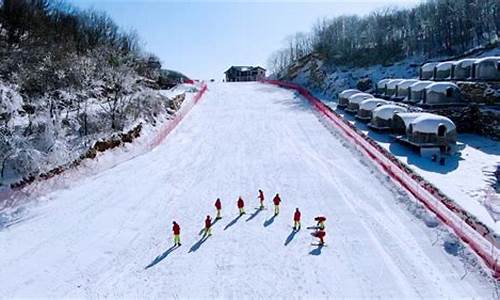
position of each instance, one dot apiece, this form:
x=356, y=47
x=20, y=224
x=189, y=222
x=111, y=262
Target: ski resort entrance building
x=245, y=73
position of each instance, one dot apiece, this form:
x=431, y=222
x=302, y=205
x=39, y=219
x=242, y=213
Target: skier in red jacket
x=241, y=206
x=277, y=201
x=261, y=199
x=320, y=234
x=208, y=226
x=296, y=219
x=177, y=234
x=218, y=207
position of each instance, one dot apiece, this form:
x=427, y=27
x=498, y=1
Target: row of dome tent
x=418, y=129
x=424, y=93
x=484, y=69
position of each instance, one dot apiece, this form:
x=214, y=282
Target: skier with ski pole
x=241, y=206
x=208, y=227
x=177, y=234
x=218, y=207
x=321, y=222
x=277, y=201
x=296, y=220
x=261, y=199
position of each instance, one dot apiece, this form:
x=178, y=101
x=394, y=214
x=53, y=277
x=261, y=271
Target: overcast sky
x=203, y=38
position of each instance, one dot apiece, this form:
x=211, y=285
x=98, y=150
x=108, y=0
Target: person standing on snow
x=208, y=226
x=296, y=219
x=321, y=222
x=277, y=201
x=261, y=199
x=177, y=234
x=218, y=207
x=241, y=206
x=321, y=235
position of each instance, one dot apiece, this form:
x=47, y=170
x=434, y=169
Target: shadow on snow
x=257, y=211
x=290, y=236
x=316, y=251
x=269, y=221
x=161, y=257
x=198, y=244
x=232, y=222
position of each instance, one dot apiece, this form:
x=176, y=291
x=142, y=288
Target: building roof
x=359, y=97
x=429, y=66
x=371, y=104
x=420, y=85
x=348, y=93
x=441, y=87
x=244, y=68
x=406, y=83
x=446, y=65
x=429, y=123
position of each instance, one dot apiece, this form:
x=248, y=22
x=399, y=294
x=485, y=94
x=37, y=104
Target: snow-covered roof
x=348, y=93
x=406, y=83
x=387, y=111
x=429, y=66
x=466, y=62
x=488, y=59
x=446, y=65
x=441, y=87
x=382, y=83
x=391, y=84
x=371, y=104
x=429, y=123
x=407, y=117
x=359, y=97
x=420, y=85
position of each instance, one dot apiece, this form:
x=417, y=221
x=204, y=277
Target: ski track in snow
x=95, y=238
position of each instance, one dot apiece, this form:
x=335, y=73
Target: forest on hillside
x=433, y=28
x=67, y=78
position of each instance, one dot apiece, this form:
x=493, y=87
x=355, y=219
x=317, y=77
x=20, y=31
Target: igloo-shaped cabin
x=367, y=106
x=344, y=97
x=487, y=68
x=442, y=93
x=355, y=100
x=416, y=91
x=382, y=116
x=391, y=87
x=444, y=70
x=431, y=130
x=427, y=71
x=463, y=69
x=401, y=121
x=402, y=88
x=381, y=86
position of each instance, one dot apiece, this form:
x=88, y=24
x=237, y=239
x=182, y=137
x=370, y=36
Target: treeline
x=44, y=36
x=68, y=77
x=433, y=28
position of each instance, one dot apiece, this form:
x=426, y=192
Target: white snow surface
x=420, y=85
x=95, y=237
x=371, y=104
x=359, y=97
x=429, y=123
x=441, y=87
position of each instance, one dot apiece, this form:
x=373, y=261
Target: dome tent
x=427, y=71
x=431, y=130
x=416, y=91
x=442, y=93
x=355, y=100
x=344, y=97
x=401, y=121
x=463, y=69
x=382, y=116
x=367, y=106
x=487, y=68
x=402, y=88
x=381, y=86
x=444, y=70
x=391, y=87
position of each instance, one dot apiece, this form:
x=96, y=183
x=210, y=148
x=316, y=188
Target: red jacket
x=320, y=234
x=261, y=196
x=218, y=205
x=241, y=204
x=296, y=216
x=276, y=200
x=176, y=229
x=208, y=222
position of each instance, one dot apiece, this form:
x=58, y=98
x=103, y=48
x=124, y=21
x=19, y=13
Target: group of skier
x=207, y=231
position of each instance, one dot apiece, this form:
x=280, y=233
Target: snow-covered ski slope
x=96, y=237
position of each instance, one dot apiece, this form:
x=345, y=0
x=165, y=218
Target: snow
x=386, y=112
x=466, y=62
x=429, y=123
x=371, y=104
x=408, y=117
x=348, y=93
x=488, y=59
x=391, y=84
x=95, y=237
x=359, y=97
x=381, y=84
x=406, y=83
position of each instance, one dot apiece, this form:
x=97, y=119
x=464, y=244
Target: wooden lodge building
x=245, y=73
